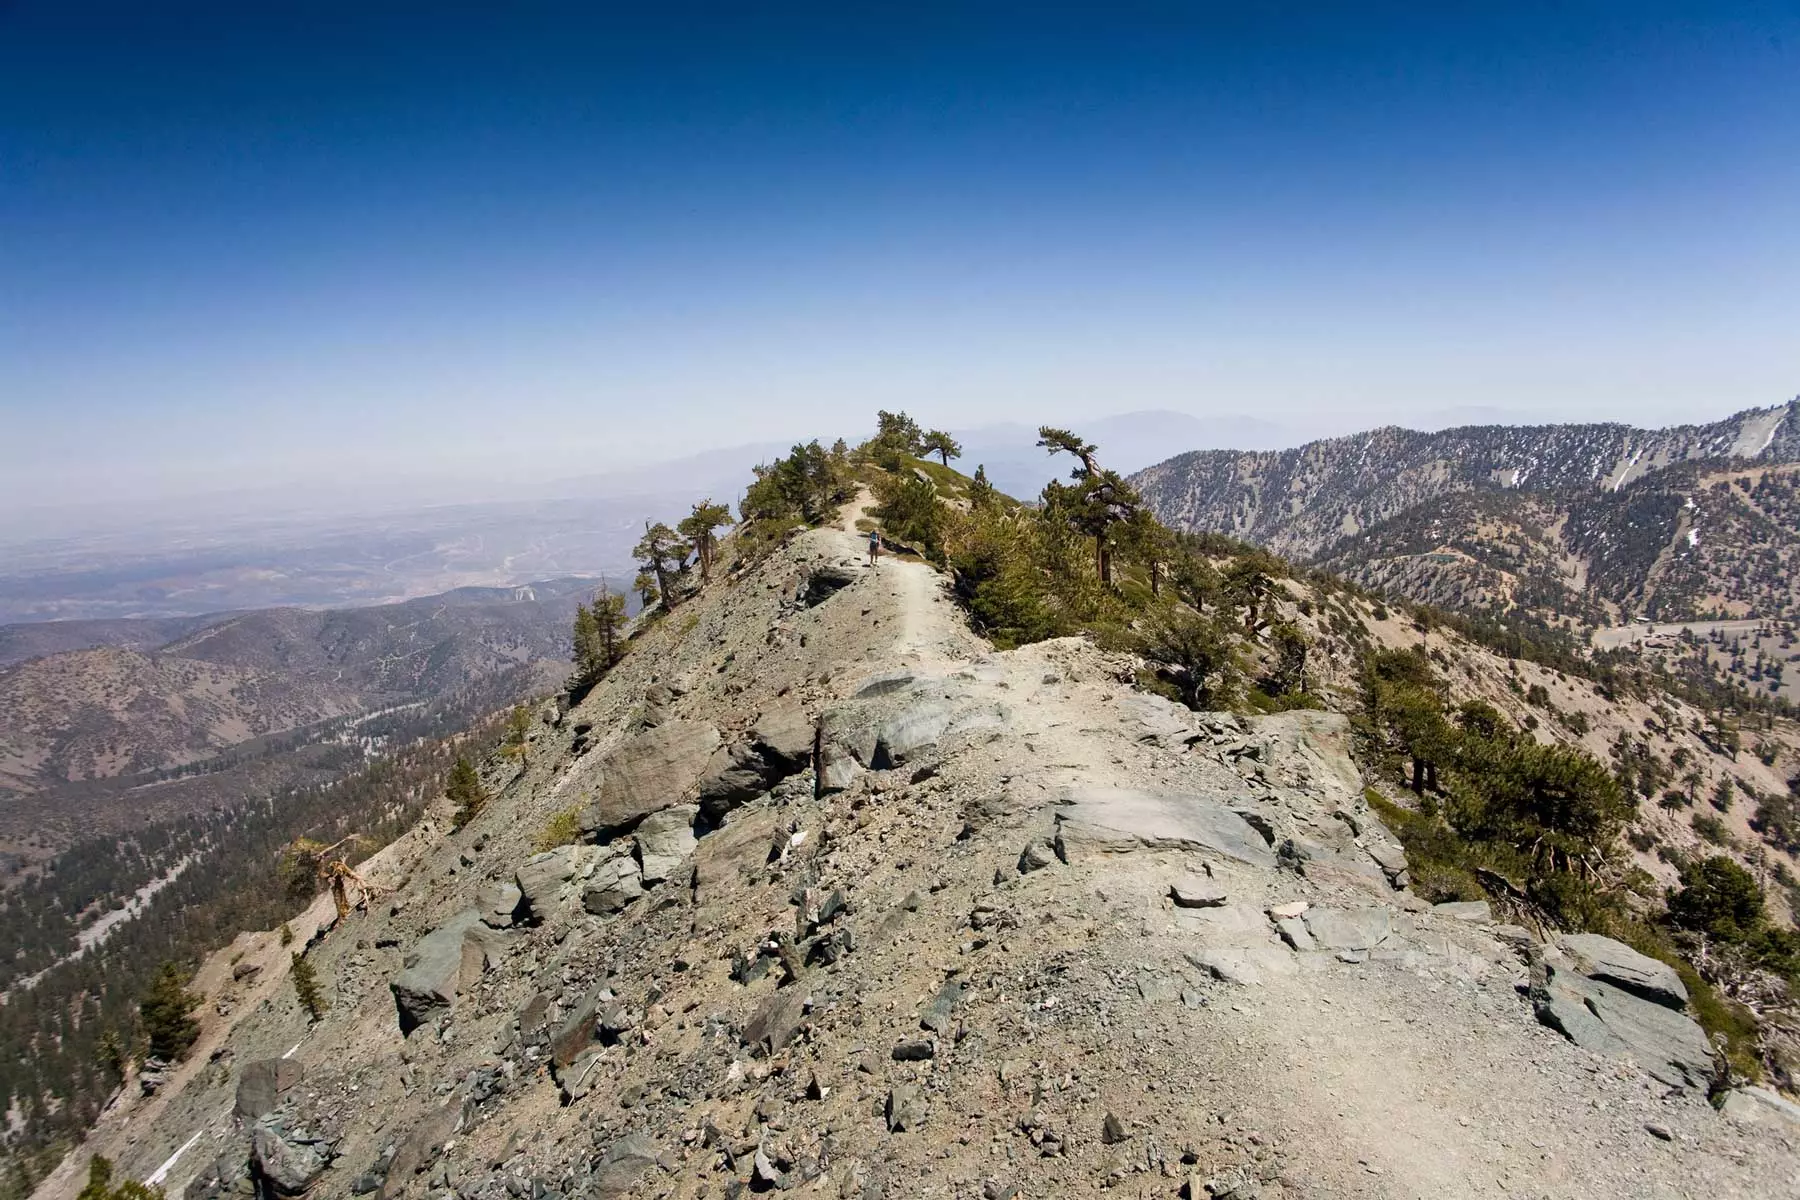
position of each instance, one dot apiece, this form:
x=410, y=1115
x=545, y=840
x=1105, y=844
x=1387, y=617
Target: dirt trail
x=1007, y=836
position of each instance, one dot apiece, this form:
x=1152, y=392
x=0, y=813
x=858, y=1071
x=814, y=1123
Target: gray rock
x=542, y=877
x=1038, y=854
x=1197, y=891
x=1391, y=859
x=786, y=736
x=1114, y=820
x=1477, y=911
x=918, y=1050
x=422, y=1147
x=501, y=902
x=1352, y=929
x=650, y=772
x=917, y=728
x=1612, y=962
x=664, y=841
x=1293, y=932
x=580, y=1030
x=263, y=1082
x=777, y=1020
x=734, y=776
x=444, y=961
x=884, y=684
x=615, y=883
x=1608, y=1020
x=287, y=1168
x=1245, y=966
x=1760, y=1106
x=627, y=1159
x=905, y=1109
x=1112, y=1130
x=936, y=1016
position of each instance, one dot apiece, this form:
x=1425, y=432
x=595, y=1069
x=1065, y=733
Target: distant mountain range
x=96, y=700
x=1591, y=519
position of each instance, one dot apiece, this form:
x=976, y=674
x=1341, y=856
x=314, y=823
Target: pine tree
x=100, y=1185
x=166, y=1011
x=941, y=444
x=661, y=552
x=698, y=528
x=465, y=791
x=306, y=988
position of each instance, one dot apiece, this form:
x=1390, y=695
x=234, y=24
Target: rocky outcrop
x=1604, y=996
x=263, y=1083
x=284, y=1163
x=664, y=841
x=650, y=772
x=1101, y=820
x=445, y=960
x=615, y=882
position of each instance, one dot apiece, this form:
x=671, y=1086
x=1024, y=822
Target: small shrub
x=306, y=988
x=562, y=829
x=1711, y=828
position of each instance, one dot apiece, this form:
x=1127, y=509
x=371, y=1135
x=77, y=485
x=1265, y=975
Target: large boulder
x=444, y=961
x=501, y=903
x=1595, y=1014
x=548, y=880
x=286, y=1167
x=617, y=1172
x=664, y=841
x=650, y=772
x=1352, y=929
x=734, y=776
x=1615, y=963
x=615, y=883
x=785, y=736
x=262, y=1084
x=1106, y=820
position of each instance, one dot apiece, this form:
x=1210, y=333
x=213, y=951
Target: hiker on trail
x=874, y=545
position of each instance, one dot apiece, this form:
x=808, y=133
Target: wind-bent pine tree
x=166, y=1011
x=941, y=444
x=661, y=552
x=697, y=528
x=1100, y=500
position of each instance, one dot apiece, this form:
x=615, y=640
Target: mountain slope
x=1586, y=520
x=969, y=867
x=109, y=711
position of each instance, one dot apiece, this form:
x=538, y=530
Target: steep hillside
x=1299, y=502
x=1589, y=524
x=247, y=685
x=816, y=890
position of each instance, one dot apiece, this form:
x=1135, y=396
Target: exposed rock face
x=650, y=772
x=1573, y=993
x=664, y=841
x=785, y=736
x=1603, y=959
x=1114, y=820
x=262, y=1084
x=545, y=880
x=615, y=882
x=444, y=960
x=286, y=1167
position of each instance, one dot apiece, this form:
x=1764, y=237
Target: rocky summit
x=850, y=904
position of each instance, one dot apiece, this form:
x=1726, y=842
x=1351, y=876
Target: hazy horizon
x=398, y=250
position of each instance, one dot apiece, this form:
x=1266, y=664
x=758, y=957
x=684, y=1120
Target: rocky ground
x=863, y=908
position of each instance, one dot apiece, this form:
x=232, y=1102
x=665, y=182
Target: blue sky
x=336, y=242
